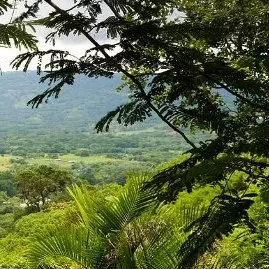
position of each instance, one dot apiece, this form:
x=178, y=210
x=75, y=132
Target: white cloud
x=76, y=45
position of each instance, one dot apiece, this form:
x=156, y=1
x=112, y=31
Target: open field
x=69, y=159
x=64, y=160
x=5, y=163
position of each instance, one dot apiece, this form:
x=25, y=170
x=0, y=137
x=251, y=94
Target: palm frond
x=131, y=203
x=158, y=249
x=84, y=202
x=112, y=217
x=81, y=246
x=123, y=232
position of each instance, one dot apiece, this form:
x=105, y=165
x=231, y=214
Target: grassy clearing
x=5, y=163
x=70, y=159
x=64, y=160
x=135, y=132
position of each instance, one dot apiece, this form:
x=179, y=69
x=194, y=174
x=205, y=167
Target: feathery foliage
x=17, y=36
x=118, y=232
x=14, y=33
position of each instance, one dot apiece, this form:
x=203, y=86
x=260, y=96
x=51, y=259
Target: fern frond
x=131, y=203
x=15, y=34
x=24, y=59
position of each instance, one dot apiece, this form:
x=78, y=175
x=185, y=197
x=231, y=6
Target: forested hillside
x=62, y=131
x=78, y=108
x=67, y=124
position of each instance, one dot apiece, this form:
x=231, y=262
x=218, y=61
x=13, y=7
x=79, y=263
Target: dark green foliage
x=4, y=6
x=6, y=183
x=181, y=69
x=219, y=220
x=13, y=33
x=126, y=114
x=195, y=170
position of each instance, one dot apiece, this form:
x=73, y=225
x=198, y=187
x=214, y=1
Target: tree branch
x=222, y=85
x=122, y=70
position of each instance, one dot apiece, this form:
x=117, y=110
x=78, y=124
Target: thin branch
x=72, y=55
x=73, y=7
x=146, y=97
x=115, y=12
x=13, y=11
x=222, y=85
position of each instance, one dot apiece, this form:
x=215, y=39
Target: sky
x=74, y=44
x=74, y=47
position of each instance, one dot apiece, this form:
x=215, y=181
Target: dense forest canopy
x=178, y=58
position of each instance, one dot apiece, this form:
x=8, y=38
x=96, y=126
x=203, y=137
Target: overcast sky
x=75, y=45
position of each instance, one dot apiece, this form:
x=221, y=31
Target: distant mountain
x=67, y=123
x=78, y=106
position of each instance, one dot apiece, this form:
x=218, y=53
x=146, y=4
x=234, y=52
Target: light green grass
x=69, y=159
x=64, y=160
x=5, y=163
x=135, y=132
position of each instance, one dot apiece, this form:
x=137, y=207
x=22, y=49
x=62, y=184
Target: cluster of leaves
x=36, y=183
x=176, y=64
x=14, y=33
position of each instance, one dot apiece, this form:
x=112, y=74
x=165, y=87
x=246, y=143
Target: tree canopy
x=36, y=183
